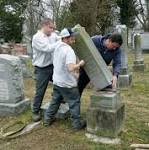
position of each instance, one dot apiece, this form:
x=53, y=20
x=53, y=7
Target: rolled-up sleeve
x=42, y=44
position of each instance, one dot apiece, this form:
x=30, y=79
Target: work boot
x=48, y=122
x=36, y=117
x=81, y=125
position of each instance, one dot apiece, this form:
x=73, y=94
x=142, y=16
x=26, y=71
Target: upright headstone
x=27, y=67
x=95, y=66
x=144, y=41
x=139, y=61
x=106, y=112
x=125, y=77
x=12, y=100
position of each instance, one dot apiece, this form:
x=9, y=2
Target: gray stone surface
x=95, y=66
x=124, y=80
x=139, y=60
x=105, y=99
x=103, y=140
x=144, y=41
x=63, y=112
x=105, y=122
x=122, y=29
x=125, y=76
x=7, y=109
x=11, y=86
x=27, y=67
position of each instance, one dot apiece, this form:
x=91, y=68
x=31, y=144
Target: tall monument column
x=139, y=61
x=125, y=77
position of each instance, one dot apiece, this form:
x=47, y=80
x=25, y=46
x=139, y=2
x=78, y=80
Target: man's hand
x=81, y=63
x=75, y=67
x=114, y=82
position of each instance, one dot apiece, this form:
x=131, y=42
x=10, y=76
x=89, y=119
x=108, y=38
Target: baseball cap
x=66, y=32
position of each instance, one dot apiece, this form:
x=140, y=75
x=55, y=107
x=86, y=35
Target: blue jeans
x=72, y=97
x=42, y=78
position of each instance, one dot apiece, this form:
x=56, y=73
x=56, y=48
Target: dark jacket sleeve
x=117, y=63
x=96, y=40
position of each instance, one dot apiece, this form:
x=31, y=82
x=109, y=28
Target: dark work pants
x=42, y=78
x=72, y=97
x=83, y=81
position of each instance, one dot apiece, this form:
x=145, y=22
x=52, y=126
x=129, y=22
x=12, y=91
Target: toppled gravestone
x=105, y=114
x=63, y=111
x=95, y=66
x=12, y=101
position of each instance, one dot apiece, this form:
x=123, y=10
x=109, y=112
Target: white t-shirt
x=64, y=55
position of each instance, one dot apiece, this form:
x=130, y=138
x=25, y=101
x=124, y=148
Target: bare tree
x=142, y=14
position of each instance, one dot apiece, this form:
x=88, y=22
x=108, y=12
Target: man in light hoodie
x=65, y=81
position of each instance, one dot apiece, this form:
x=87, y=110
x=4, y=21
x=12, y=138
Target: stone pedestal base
x=124, y=81
x=103, y=140
x=105, y=99
x=139, y=66
x=63, y=112
x=105, y=122
x=14, y=109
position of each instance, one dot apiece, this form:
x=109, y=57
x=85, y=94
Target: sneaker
x=48, y=122
x=36, y=117
x=81, y=125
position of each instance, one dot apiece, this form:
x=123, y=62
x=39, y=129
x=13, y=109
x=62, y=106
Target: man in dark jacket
x=109, y=48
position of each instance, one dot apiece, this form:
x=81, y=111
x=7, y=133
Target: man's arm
x=116, y=67
x=42, y=44
x=117, y=63
x=75, y=67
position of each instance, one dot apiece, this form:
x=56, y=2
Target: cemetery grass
x=60, y=136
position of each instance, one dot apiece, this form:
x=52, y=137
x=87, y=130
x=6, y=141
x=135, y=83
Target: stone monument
x=144, y=41
x=125, y=77
x=12, y=101
x=105, y=114
x=95, y=66
x=27, y=67
x=139, y=61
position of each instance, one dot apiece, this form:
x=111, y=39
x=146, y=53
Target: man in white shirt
x=43, y=50
x=65, y=81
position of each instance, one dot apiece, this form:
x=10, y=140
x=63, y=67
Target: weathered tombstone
x=27, y=67
x=139, y=62
x=95, y=66
x=144, y=41
x=12, y=100
x=125, y=77
x=106, y=112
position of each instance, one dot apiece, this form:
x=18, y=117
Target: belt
x=51, y=65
